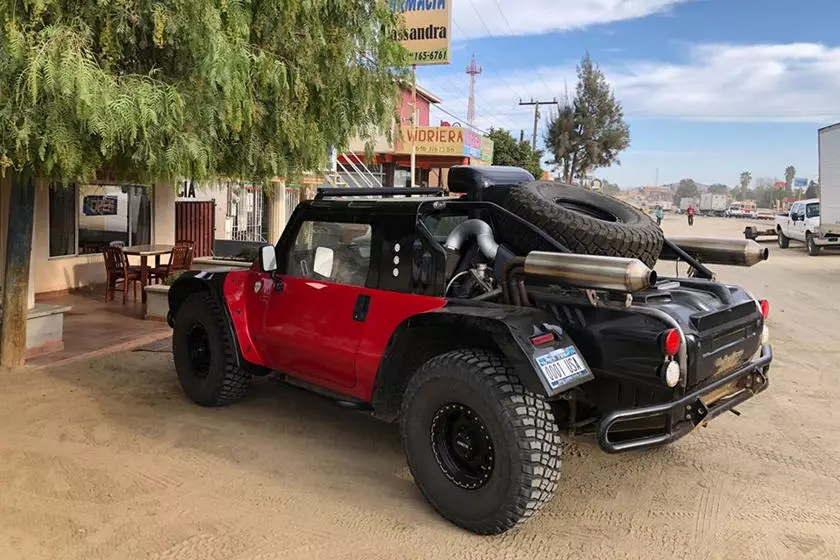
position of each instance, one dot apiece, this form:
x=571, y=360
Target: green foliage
x=172, y=277
x=744, y=181
x=790, y=175
x=589, y=131
x=509, y=151
x=162, y=89
x=247, y=254
x=718, y=188
x=813, y=190
x=686, y=189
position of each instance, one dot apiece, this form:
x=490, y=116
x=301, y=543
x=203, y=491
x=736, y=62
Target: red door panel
x=308, y=330
x=387, y=310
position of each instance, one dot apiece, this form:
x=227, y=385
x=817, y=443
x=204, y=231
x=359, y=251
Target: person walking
x=659, y=215
x=690, y=213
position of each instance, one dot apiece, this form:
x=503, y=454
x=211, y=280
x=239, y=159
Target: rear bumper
x=683, y=415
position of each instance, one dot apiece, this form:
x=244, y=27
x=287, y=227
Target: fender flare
x=508, y=329
x=195, y=281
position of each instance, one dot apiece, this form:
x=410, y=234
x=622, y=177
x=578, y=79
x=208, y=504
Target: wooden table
x=144, y=252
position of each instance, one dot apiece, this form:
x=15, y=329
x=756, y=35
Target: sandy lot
x=108, y=459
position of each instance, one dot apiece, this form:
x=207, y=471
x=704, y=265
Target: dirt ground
x=108, y=459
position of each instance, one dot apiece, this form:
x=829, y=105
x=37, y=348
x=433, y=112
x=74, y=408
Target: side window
x=812, y=211
x=332, y=251
x=796, y=209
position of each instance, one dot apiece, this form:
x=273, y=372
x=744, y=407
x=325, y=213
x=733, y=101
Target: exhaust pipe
x=591, y=271
x=716, y=250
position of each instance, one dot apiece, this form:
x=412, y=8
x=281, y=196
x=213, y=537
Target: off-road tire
x=585, y=221
x=813, y=248
x=784, y=241
x=519, y=424
x=224, y=382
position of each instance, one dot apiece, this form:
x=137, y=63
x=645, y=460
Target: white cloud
x=795, y=82
x=480, y=18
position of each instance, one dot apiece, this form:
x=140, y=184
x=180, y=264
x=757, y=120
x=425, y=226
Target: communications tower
x=473, y=70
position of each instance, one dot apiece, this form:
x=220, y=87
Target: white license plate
x=558, y=366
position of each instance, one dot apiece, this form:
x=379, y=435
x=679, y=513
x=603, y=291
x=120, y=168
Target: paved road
x=107, y=459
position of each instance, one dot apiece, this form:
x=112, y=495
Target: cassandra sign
x=426, y=29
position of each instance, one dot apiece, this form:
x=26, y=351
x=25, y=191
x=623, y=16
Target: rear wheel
x=784, y=242
x=810, y=242
x=484, y=450
x=204, y=353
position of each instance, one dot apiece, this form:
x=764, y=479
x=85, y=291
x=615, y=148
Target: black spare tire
x=585, y=221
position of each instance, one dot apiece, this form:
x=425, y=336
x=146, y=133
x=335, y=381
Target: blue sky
x=710, y=88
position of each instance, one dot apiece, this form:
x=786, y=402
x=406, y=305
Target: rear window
x=812, y=211
x=442, y=226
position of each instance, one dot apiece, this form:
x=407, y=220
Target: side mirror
x=323, y=265
x=268, y=258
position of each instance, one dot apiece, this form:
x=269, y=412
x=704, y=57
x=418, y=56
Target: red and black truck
x=489, y=326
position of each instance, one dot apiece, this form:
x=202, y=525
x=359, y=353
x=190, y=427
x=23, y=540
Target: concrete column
x=163, y=228
x=276, y=212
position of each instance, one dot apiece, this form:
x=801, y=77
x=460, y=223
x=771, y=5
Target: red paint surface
x=405, y=108
x=307, y=329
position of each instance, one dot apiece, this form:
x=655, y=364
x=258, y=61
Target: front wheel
x=204, y=353
x=813, y=248
x=484, y=450
x=784, y=242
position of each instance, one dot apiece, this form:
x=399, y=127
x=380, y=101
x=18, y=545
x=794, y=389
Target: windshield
x=812, y=211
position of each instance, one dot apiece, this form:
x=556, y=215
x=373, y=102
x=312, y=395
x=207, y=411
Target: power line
x=510, y=28
x=507, y=83
x=536, y=105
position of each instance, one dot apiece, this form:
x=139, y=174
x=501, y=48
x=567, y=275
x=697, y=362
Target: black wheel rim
x=586, y=209
x=462, y=446
x=199, y=346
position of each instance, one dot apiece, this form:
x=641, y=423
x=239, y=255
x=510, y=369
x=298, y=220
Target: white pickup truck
x=802, y=223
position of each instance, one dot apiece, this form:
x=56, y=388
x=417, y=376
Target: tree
x=813, y=190
x=686, y=189
x=588, y=132
x=790, y=175
x=745, y=180
x=718, y=188
x=155, y=91
x=507, y=150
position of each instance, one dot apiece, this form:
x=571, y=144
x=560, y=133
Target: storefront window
x=62, y=220
x=102, y=215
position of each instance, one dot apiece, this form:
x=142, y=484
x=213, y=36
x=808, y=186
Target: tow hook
x=735, y=412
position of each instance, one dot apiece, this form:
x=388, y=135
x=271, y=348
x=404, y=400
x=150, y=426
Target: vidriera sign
x=426, y=29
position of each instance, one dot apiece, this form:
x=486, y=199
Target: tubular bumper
x=683, y=415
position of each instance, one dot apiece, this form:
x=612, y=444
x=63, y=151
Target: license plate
x=559, y=366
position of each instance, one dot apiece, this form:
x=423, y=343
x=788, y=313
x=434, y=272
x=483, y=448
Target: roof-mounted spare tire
x=585, y=221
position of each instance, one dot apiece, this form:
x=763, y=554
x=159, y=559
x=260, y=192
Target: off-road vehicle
x=488, y=325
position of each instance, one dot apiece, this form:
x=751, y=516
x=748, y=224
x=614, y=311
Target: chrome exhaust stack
x=717, y=250
x=591, y=271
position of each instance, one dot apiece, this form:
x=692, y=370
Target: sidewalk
x=95, y=328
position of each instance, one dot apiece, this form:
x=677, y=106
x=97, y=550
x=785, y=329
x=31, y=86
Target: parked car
x=802, y=223
x=485, y=336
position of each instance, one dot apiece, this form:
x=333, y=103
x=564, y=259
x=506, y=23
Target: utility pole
x=536, y=105
x=473, y=70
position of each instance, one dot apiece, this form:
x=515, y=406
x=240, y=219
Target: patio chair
x=118, y=272
x=180, y=259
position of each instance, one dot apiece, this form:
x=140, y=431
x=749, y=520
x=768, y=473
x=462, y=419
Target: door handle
x=361, y=310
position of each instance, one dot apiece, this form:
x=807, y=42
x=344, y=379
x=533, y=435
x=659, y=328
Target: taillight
x=543, y=339
x=765, y=308
x=671, y=342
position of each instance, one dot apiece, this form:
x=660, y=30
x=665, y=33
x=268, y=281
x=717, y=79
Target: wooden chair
x=117, y=270
x=180, y=259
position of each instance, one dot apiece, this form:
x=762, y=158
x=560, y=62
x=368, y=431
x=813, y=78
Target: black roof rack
x=340, y=192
